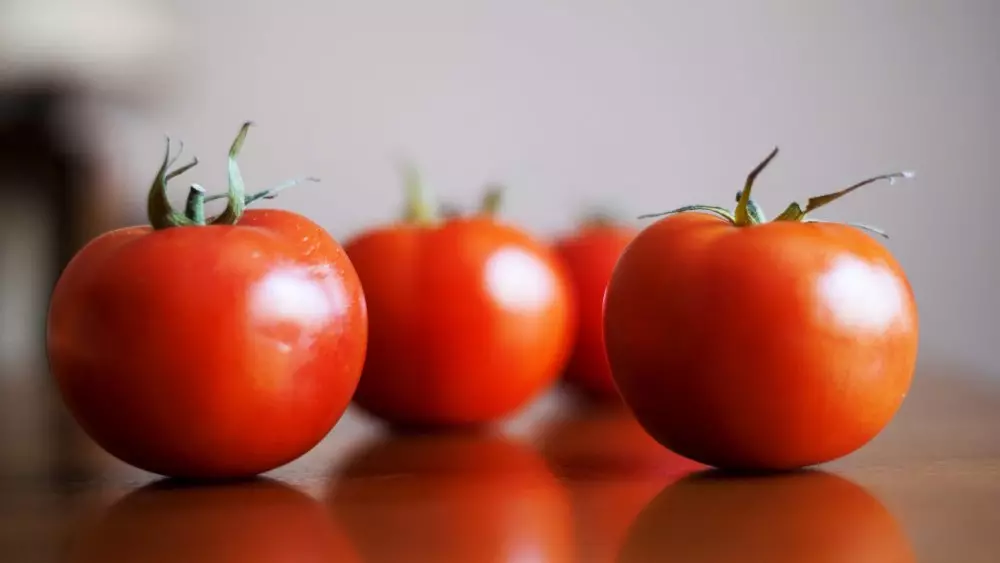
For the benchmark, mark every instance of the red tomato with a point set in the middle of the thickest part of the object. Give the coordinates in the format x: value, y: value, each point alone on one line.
x: 794, y: 517
x: 590, y: 256
x: 255, y: 522
x: 208, y: 351
x: 452, y: 497
x: 469, y: 319
x: 746, y: 344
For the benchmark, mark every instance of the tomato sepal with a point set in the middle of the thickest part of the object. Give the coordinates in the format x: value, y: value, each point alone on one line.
x: 420, y: 208
x: 795, y: 212
x: 748, y: 213
x: 162, y: 215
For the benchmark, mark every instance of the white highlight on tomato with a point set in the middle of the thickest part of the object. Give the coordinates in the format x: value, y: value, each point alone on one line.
x: 519, y: 280
x: 860, y: 294
x: 304, y: 295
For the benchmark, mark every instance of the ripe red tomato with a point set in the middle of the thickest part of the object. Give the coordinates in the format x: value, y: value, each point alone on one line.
x: 253, y: 522
x: 469, y: 318
x: 208, y: 351
x: 452, y: 497
x: 746, y: 344
x: 793, y: 517
x: 590, y: 256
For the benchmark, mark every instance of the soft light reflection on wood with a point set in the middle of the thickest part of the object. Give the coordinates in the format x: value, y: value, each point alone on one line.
x: 804, y: 516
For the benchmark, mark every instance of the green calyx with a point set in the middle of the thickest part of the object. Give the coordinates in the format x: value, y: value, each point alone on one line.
x: 163, y: 216
x: 420, y: 208
x: 748, y: 213
x: 601, y: 217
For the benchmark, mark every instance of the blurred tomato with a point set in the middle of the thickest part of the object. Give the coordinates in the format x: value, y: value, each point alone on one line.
x: 452, y: 497
x: 259, y: 521
x: 612, y: 468
x: 808, y: 516
x: 590, y: 255
x: 469, y: 318
x: 208, y: 349
x: 747, y: 344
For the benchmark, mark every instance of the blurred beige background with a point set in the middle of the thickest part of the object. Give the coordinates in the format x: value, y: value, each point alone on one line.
x: 642, y: 105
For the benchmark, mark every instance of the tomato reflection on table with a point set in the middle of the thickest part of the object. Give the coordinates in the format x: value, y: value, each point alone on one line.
x: 803, y: 516
x: 611, y: 467
x: 452, y: 497
x: 259, y: 521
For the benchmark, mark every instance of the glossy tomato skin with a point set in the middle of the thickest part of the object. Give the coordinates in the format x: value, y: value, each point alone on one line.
x: 775, y: 346
x: 590, y: 256
x: 209, y: 352
x: 469, y: 319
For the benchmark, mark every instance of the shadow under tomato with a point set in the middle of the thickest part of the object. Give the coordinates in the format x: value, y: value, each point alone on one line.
x: 801, y: 516
x: 452, y: 497
x: 611, y: 467
x: 253, y: 521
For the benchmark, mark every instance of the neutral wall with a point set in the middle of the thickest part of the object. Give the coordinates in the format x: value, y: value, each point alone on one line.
x: 641, y: 104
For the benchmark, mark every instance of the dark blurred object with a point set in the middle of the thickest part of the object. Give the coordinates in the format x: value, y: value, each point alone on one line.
x: 68, y: 68
x: 47, y: 176
x: 38, y: 160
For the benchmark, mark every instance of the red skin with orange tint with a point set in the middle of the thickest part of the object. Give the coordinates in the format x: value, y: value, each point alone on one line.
x: 590, y: 256
x: 469, y: 320
x: 209, y: 352
x: 766, y: 346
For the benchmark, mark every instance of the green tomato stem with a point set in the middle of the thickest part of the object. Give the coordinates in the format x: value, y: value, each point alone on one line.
x: 449, y: 211
x: 492, y: 200
x: 163, y: 216
x: 194, y: 208
x: 601, y: 217
x: 748, y: 213
x: 743, y: 215
x: 160, y: 213
x: 418, y: 207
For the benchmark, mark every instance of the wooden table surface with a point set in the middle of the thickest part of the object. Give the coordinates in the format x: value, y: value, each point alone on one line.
x: 561, y: 482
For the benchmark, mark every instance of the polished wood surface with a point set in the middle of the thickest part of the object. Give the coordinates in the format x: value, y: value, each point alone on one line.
x: 561, y: 482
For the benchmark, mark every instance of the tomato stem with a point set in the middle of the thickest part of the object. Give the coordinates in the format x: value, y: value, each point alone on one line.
x: 753, y: 210
x: 746, y: 214
x: 160, y: 213
x: 449, y: 211
x: 600, y: 217
x: 163, y: 216
x: 194, y: 208
x: 492, y: 200
x: 418, y: 207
